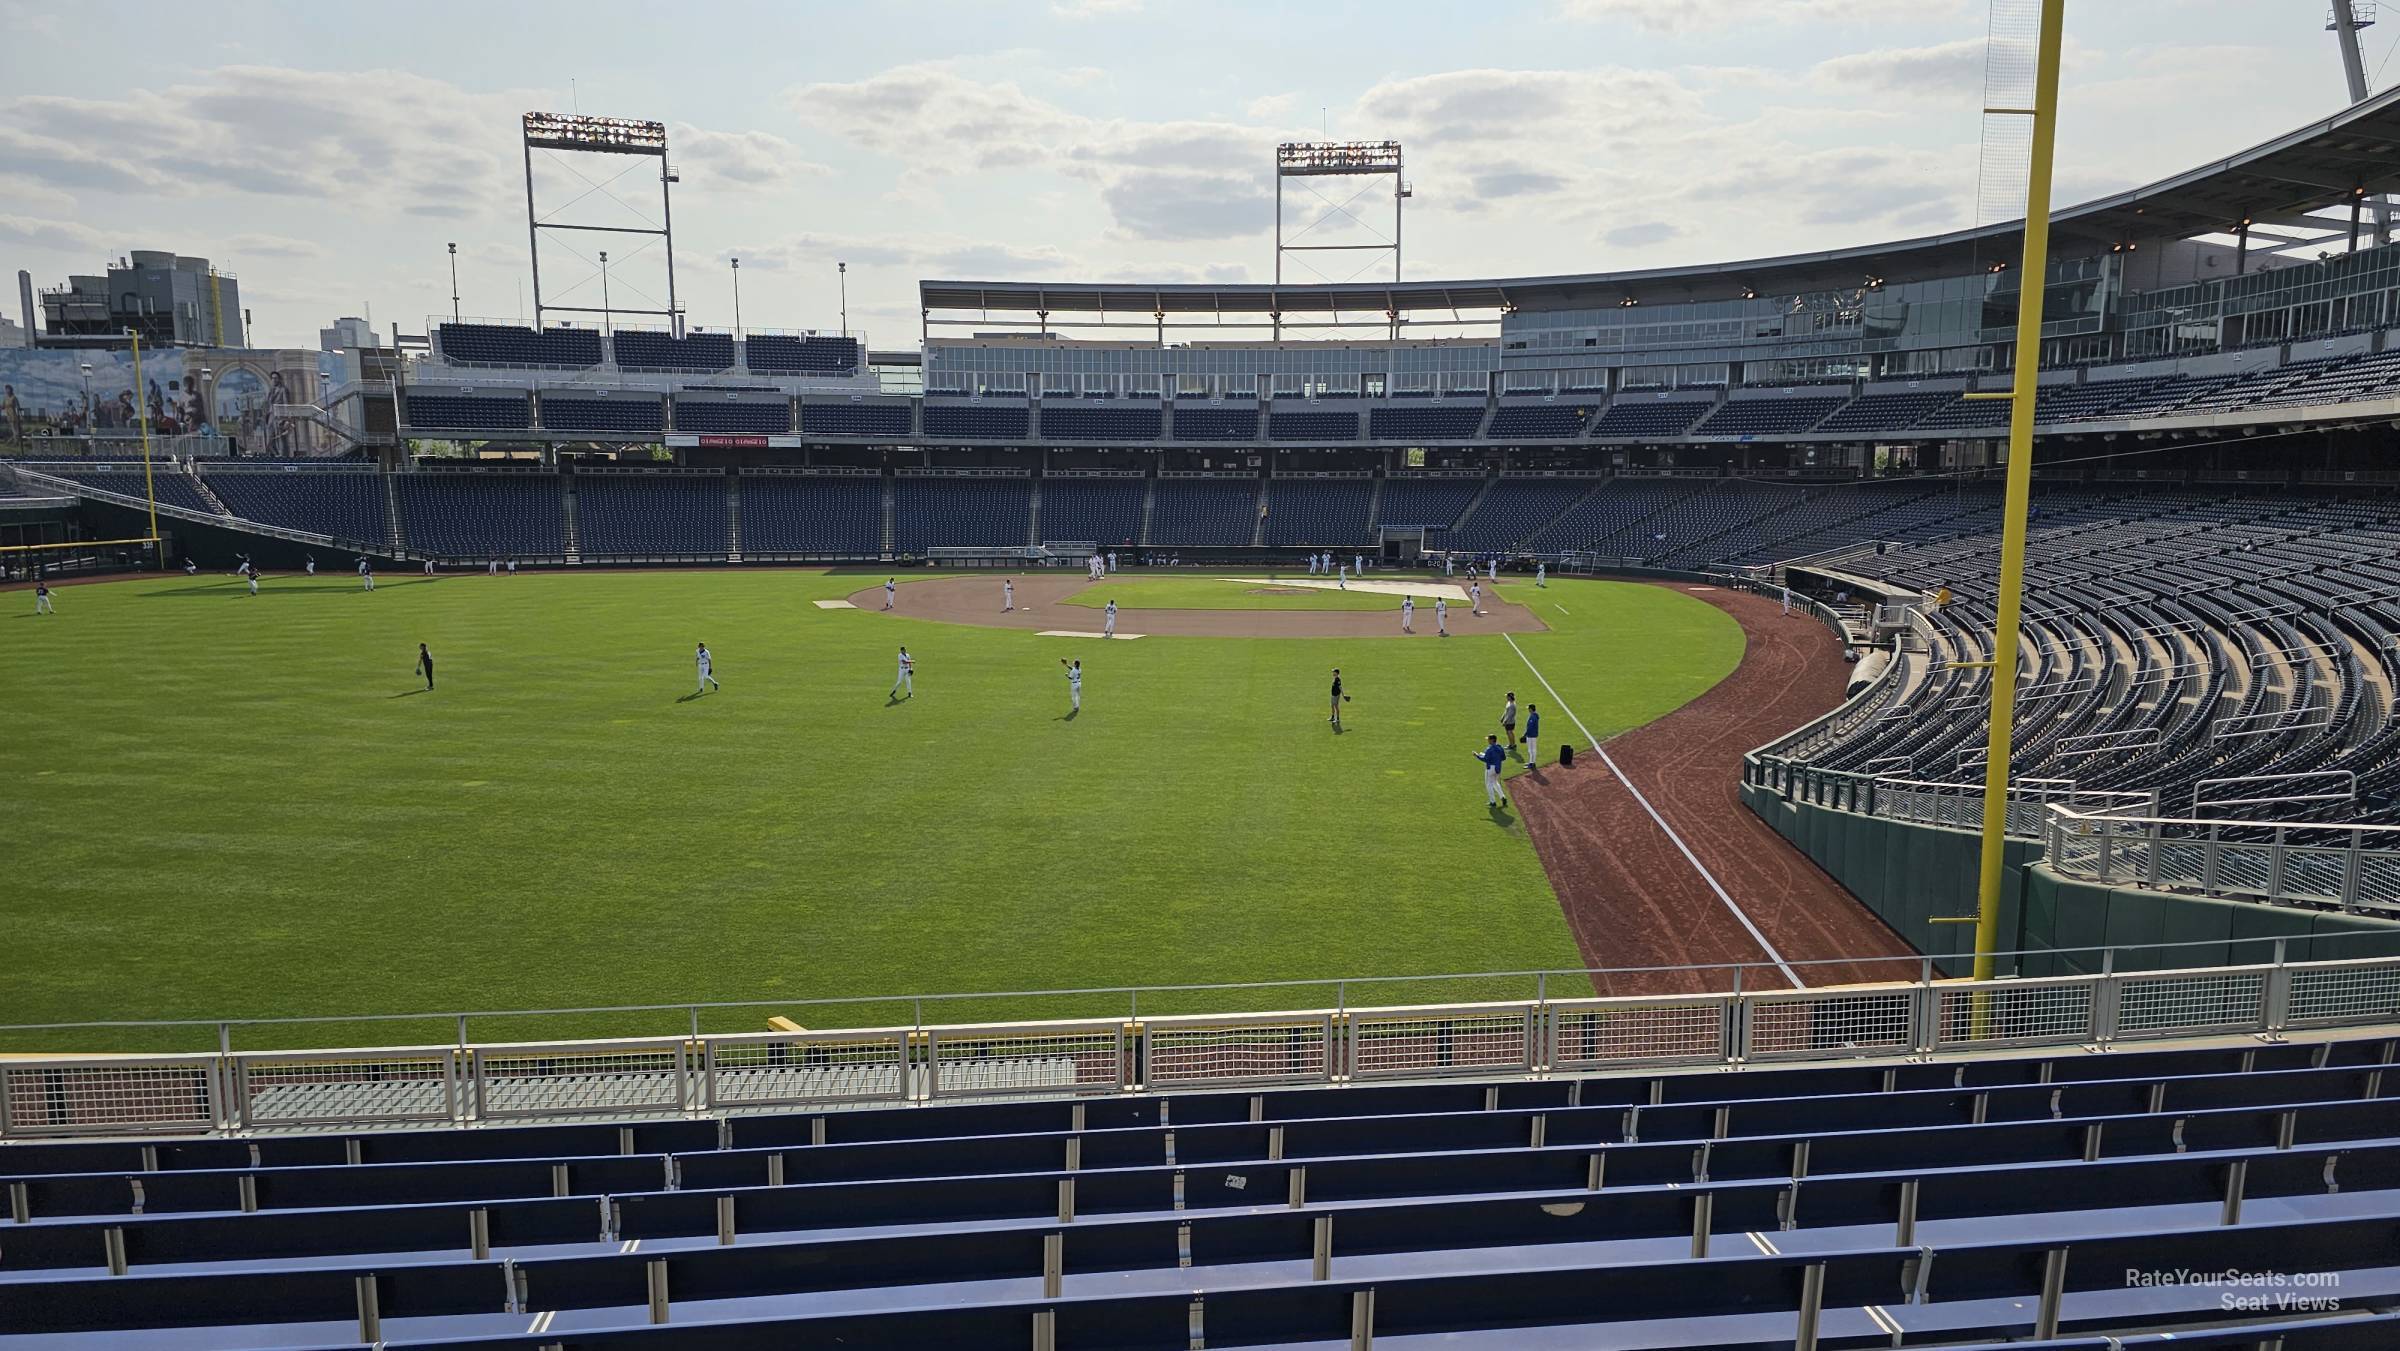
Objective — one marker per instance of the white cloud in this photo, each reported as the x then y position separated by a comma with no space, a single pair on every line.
1093,9
738,159
1145,172
65,235
1945,69
1640,235
1694,16
268,246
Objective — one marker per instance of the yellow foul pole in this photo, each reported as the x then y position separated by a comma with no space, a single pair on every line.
2020,483
141,405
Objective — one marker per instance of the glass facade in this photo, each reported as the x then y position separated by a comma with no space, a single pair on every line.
1063,368
1943,326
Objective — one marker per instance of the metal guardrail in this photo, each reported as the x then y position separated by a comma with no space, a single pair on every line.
1955,806
706,1075
2355,869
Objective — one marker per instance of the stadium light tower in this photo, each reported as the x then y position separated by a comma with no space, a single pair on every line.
737,299
454,283
2344,21
1344,230
573,134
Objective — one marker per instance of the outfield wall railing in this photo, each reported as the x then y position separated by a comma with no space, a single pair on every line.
2352,868
699,1074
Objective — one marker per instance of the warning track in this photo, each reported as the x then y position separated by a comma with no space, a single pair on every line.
1635,899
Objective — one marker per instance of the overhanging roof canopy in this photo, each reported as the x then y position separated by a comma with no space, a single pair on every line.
2319,165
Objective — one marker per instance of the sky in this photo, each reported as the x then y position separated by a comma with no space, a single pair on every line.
327,154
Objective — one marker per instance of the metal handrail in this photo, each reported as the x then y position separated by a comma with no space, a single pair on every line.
2351,868
698,1074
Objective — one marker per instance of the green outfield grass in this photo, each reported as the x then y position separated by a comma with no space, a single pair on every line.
1216,593
225,806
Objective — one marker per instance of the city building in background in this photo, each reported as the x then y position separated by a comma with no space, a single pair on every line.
165,297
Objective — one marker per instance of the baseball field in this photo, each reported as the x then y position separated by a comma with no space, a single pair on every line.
226,806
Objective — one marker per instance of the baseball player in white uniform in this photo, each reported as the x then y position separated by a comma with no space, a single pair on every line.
1408,614
707,668
1541,574
1008,595
1474,598
1787,602
1495,566
907,678
1108,621
1074,683
1441,615
891,592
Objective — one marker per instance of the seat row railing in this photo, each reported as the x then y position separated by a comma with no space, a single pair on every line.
2351,868
704,1074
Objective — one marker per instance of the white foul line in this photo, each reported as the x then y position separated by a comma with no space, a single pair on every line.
1686,850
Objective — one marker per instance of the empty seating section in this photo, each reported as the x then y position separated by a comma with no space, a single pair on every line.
1426,500
1728,517
1609,520
510,345
1895,1202
1540,421
1215,424
1102,510
862,419
754,417
811,514
1782,415
1312,426
1650,415
974,421
1963,413
640,351
1435,422
2368,377
1071,422
932,509
651,515
2092,400
638,416
346,502
1889,411
470,413
1319,511
482,515
2209,632
1204,511
814,354
1514,508
173,487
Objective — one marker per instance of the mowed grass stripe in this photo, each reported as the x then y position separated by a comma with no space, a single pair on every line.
232,807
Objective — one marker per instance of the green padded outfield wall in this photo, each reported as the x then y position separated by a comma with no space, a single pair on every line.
1910,874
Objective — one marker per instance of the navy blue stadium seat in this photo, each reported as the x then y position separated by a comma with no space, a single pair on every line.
344,501
1418,500
1560,421
1069,422
1312,426
811,514
1638,414
813,354
638,350
1319,511
732,417
465,413
1433,422
482,515
1103,510
171,485
651,515
974,421
1215,424
637,415
934,509
511,345
1204,511
824,418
